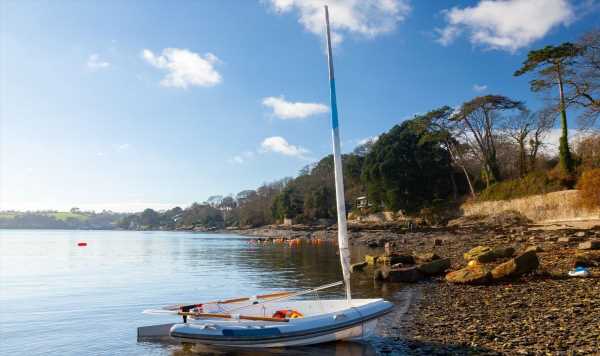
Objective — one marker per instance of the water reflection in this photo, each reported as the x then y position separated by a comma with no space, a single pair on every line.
88,300
330,349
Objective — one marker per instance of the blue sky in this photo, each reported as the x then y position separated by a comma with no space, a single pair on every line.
125,104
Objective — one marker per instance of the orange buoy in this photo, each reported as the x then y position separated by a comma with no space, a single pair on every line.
82,244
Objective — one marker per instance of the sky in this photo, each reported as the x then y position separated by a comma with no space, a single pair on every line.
124,105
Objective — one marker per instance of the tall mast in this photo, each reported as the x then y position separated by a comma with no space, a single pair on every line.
339,177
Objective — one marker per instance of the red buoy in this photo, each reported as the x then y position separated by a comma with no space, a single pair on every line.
81,244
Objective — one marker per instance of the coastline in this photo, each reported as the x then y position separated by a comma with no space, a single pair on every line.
544,311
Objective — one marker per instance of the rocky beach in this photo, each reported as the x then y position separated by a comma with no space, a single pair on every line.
513,294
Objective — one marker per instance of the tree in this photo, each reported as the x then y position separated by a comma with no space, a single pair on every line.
404,172
440,127
585,82
149,218
527,131
215,200
287,204
553,64
482,118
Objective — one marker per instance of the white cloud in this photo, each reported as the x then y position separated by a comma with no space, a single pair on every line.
365,140
448,34
185,68
506,24
94,62
279,144
122,146
479,88
361,17
243,157
293,110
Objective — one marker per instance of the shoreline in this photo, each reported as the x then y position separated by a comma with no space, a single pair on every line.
543,311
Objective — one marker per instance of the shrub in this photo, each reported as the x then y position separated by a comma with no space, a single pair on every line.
589,186
534,183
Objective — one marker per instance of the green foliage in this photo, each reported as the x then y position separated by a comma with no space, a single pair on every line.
59,220
406,171
546,59
534,183
552,65
69,215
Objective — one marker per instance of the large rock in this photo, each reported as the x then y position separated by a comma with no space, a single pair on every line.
358,267
434,267
503,252
484,254
480,253
396,258
371,260
476,274
589,245
587,259
406,274
524,263
426,257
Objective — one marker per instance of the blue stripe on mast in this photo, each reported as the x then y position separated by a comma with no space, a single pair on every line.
334,112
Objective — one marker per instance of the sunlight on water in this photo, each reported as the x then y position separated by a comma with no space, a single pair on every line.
59,298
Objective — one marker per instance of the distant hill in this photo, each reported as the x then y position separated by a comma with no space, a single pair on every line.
73,219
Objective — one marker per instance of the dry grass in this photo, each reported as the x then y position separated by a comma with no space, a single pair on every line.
556,206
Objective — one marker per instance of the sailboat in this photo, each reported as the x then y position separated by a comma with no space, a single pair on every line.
277,319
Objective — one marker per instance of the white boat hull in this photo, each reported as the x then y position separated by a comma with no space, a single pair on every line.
350,323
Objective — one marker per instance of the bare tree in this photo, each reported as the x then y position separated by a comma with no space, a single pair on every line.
584,81
527,130
482,119
452,136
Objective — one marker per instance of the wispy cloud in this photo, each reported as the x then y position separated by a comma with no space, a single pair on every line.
368,18
480,88
94,62
185,68
293,110
242,158
506,24
280,145
122,146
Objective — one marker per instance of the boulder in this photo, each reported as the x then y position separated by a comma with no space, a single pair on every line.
469,275
396,258
371,260
358,267
580,234
589,245
534,248
503,252
524,263
373,244
426,257
434,267
587,259
406,274
565,239
482,254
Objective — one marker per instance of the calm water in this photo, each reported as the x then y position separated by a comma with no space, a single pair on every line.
61,299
